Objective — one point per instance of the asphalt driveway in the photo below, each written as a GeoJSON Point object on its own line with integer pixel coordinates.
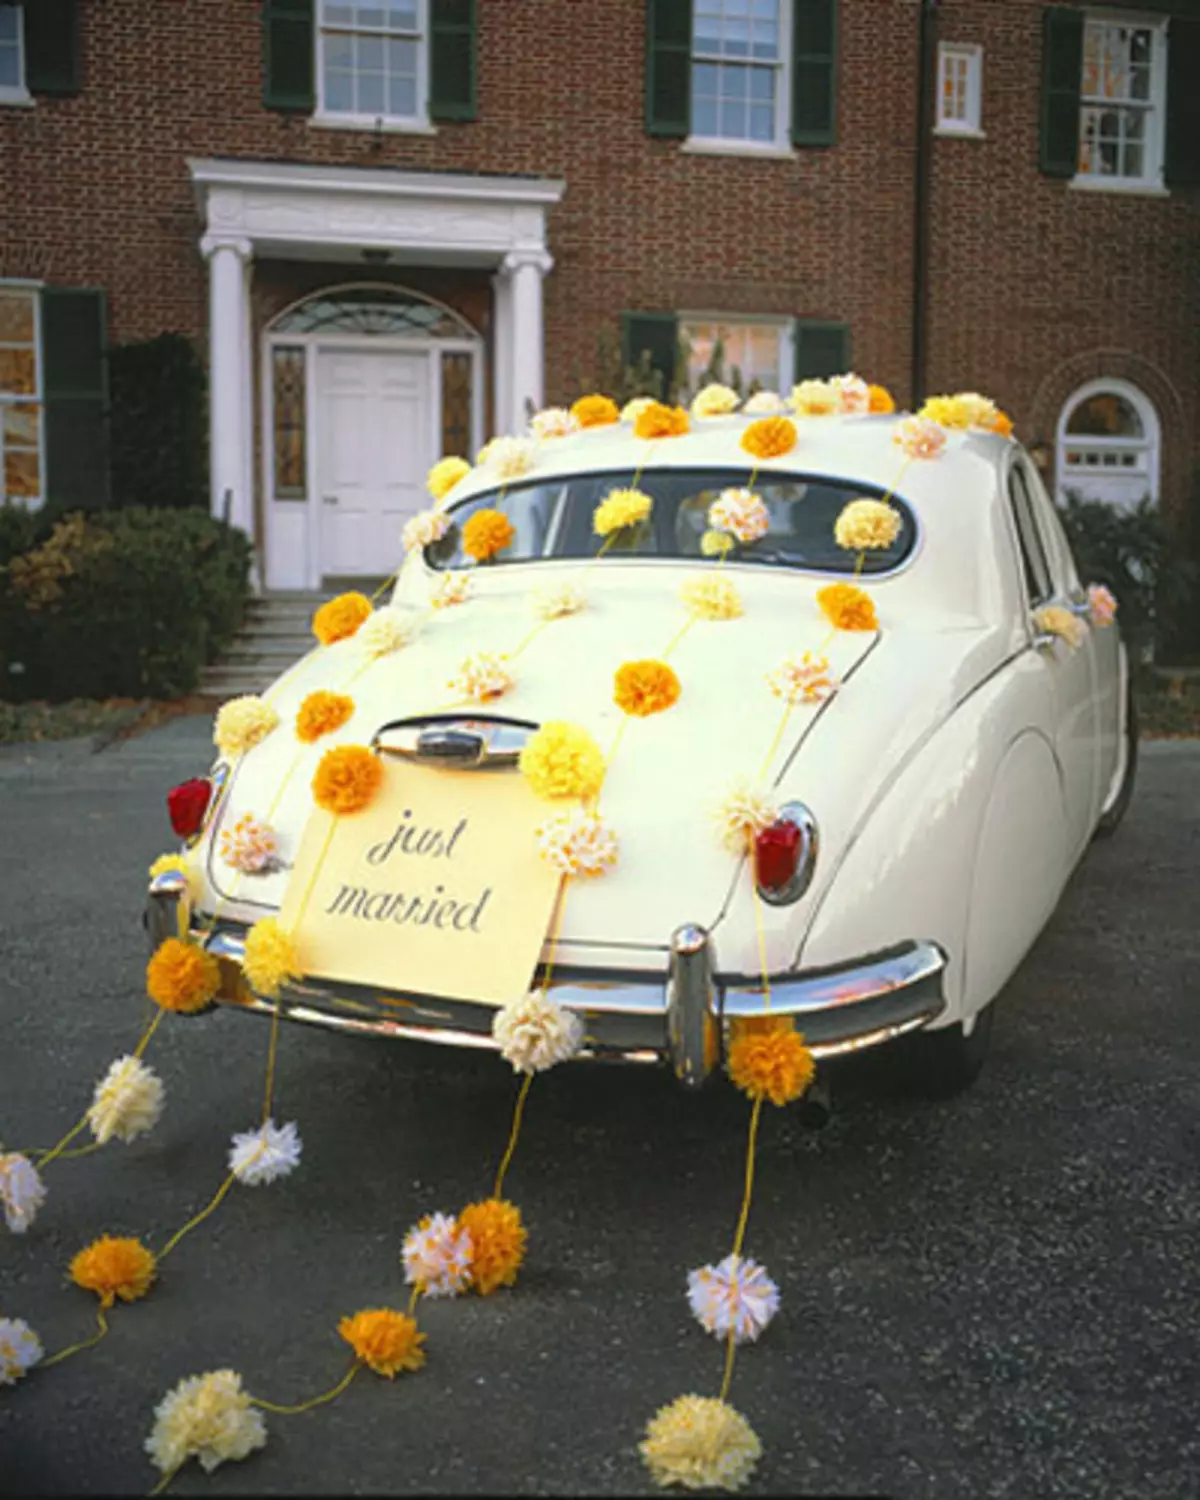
{"type": "Point", "coordinates": [994, 1297]}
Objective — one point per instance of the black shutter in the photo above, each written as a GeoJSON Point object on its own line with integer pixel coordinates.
{"type": "Point", "coordinates": [51, 46]}
{"type": "Point", "coordinates": [288, 61]}
{"type": "Point", "coordinates": [75, 387]}
{"type": "Point", "coordinates": [453, 48]}
{"type": "Point", "coordinates": [814, 72]}
{"type": "Point", "coordinates": [656, 333]}
{"type": "Point", "coordinates": [1062, 70]}
{"type": "Point", "coordinates": [822, 349]}
{"type": "Point", "coordinates": [1183, 104]}
{"type": "Point", "coordinates": [668, 67]}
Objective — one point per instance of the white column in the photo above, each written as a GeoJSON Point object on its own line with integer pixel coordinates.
{"type": "Point", "coordinates": [502, 368]}
{"type": "Point", "coordinates": [527, 268]}
{"type": "Point", "coordinates": [230, 430]}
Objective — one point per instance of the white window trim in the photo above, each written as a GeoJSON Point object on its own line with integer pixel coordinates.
{"type": "Point", "coordinates": [972, 129]}
{"type": "Point", "coordinates": [20, 93]}
{"type": "Point", "coordinates": [384, 124]}
{"type": "Point", "coordinates": [30, 502]}
{"type": "Point", "coordinates": [781, 146]}
{"type": "Point", "coordinates": [785, 328]}
{"type": "Point", "coordinates": [1150, 443]}
{"type": "Point", "coordinates": [1152, 184]}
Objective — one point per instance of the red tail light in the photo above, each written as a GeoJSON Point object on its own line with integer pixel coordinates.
{"type": "Point", "coordinates": [186, 805]}
{"type": "Point", "coordinates": [777, 855]}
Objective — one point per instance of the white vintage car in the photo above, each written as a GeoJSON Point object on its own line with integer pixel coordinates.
{"type": "Point", "coordinates": [933, 806]}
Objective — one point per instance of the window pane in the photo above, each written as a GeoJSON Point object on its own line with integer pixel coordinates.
{"type": "Point", "coordinates": [456, 405]}
{"type": "Point", "coordinates": [402, 59]}
{"type": "Point", "coordinates": [762, 85]}
{"type": "Point", "coordinates": [370, 94]}
{"type": "Point", "coordinates": [737, 38]}
{"type": "Point", "coordinates": [704, 117]}
{"type": "Point", "coordinates": [735, 83]}
{"type": "Point", "coordinates": [8, 23]}
{"type": "Point", "coordinates": [16, 317]}
{"type": "Point", "coordinates": [368, 53]}
{"type": "Point", "coordinates": [22, 474]}
{"type": "Point", "coordinates": [339, 52]}
{"type": "Point", "coordinates": [705, 78]}
{"type": "Point", "coordinates": [20, 423]}
{"type": "Point", "coordinates": [288, 370]}
{"type": "Point", "coordinates": [402, 97]}
{"type": "Point", "coordinates": [1105, 414]}
{"type": "Point", "coordinates": [10, 67]}
{"type": "Point", "coordinates": [333, 14]}
{"type": "Point", "coordinates": [370, 15]}
{"type": "Point", "coordinates": [762, 123]}
{"type": "Point", "coordinates": [402, 15]}
{"type": "Point", "coordinates": [18, 372]}
{"type": "Point", "coordinates": [339, 92]}
{"type": "Point", "coordinates": [733, 124]}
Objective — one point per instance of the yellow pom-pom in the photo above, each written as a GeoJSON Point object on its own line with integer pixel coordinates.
{"type": "Point", "coordinates": [181, 976]}
{"type": "Point", "coordinates": [770, 437]}
{"type": "Point", "coordinates": [847, 607]}
{"type": "Point", "coordinates": [444, 475]}
{"type": "Point", "coordinates": [562, 760]}
{"type": "Point", "coordinates": [866, 524]}
{"type": "Point", "coordinates": [643, 688]}
{"type": "Point", "coordinates": [700, 1443]}
{"type": "Point", "coordinates": [497, 1243]}
{"type": "Point", "coordinates": [181, 864]}
{"type": "Point", "coordinates": [386, 1341]}
{"type": "Point", "coordinates": [322, 713]}
{"type": "Point", "coordinates": [619, 509]}
{"type": "Point", "coordinates": [486, 533]}
{"type": "Point", "coordinates": [658, 421]}
{"type": "Point", "coordinates": [716, 543]}
{"type": "Point", "coordinates": [768, 1059]}
{"type": "Point", "coordinates": [347, 779]}
{"type": "Point", "coordinates": [712, 598]}
{"type": "Point", "coordinates": [270, 961]}
{"type": "Point", "coordinates": [114, 1268]}
{"type": "Point", "coordinates": [595, 411]}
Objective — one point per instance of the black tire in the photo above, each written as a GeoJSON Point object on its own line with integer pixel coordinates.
{"type": "Point", "coordinates": [941, 1064]}
{"type": "Point", "coordinates": [1111, 820]}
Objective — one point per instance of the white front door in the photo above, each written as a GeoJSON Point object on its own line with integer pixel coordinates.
{"type": "Point", "coordinates": [374, 449]}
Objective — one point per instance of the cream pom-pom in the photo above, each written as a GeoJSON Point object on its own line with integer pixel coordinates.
{"type": "Point", "coordinates": [250, 846]}
{"type": "Point", "coordinates": [510, 457]}
{"type": "Point", "coordinates": [553, 422]}
{"type": "Point", "coordinates": [802, 679]}
{"type": "Point", "coordinates": [425, 528]}
{"type": "Point", "coordinates": [451, 589]}
{"type": "Point", "coordinates": [437, 1257]}
{"type": "Point", "coordinates": [715, 400]}
{"type": "Point", "coordinates": [242, 723]}
{"type": "Point", "coordinates": [208, 1417]}
{"type": "Point", "coordinates": [701, 1443]}
{"type": "Point", "coordinates": [711, 598]}
{"type": "Point", "coordinates": [815, 398]}
{"type": "Point", "coordinates": [387, 630]}
{"type": "Point", "coordinates": [557, 600]}
{"type": "Point", "coordinates": [578, 843]}
{"type": "Point", "coordinates": [127, 1103]}
{"type": "Point", "coordinates": [741, 513]}
{"type": "Point", "coordinates": [20, 1350]}
{"type": "Point", "coordinates": [920, 437]}
{"type": "Point", "coordinates": [866, 524]}
{"type": "Point", "coordinates": [22, 1192]}
{"type": "Point", "coordinates": [632, 410]}
{"type": "Point", "coordinates": [481, 676]}
{"type": "Point", "coordinates": [853, 393]}
{"type": "Point", "coordinates": [764, 404]}
{"type": "Point", "coordinates": [269, 960]}
{"type": "Point", "coordinates": [745, 811]}
{"type": "Point", "coordinates": [735, 1296]}
{"type": "Point", "coordinates": [535, 1033]}
{"type": "Point", "coordinates": [260, 1156]}
{"type": "Point", "coordinates": [1053, 619]}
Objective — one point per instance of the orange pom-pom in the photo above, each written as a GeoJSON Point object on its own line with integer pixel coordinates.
{"type": "Point", "coordinates": [486, 533]}
{"type": "Point", "coordinates": [347, 778]}
{"type": "Point", "coordinates": [497, 1243]}
{"type": "Point", "coordinates": [384, 1340]}
{"type": "Point", "coordinates": [181, 976]}
{"type": "Point", "coordinates": [657, 421]}
{"type": "Point", "coordinates": [114, 1268]}
{"type": "Point", "coordinates": [340, 617]}
{"type": "Point", "coordinates": [595, 411]}
{"type": "Point", "coordinates": [847, 607]}
{"type": "Point", "coordinates": [321, 713]}
{"type": "Point", "coordinates": [880, 400]}
{"type": "Point", "coordinates": [645, 687]}
{"type": "Point", "coordinates": [1003, 424]}
{"type": "Point", "coordinates": [771, 437]}
{"type": "Point", "coordinates": [768, 1059]}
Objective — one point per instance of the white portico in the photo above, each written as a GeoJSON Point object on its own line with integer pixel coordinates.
{"type": "Point", "coordinates": [357, 379]}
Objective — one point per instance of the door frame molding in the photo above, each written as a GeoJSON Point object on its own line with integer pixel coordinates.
{"type": "Point", "coordinates": [313, 344]}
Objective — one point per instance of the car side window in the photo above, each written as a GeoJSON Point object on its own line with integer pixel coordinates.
{"type": "Point", "coordinates": [1066, 574]}
{"type": "Point", "coordinates": [1036, 567]}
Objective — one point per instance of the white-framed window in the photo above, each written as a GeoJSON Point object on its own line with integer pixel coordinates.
{"type": "Point", "coordinates": [21, 445]}
{"type": "Point", "coordinates": [12, 55]}
{"type": "Point", "coordinates": [372, 61]}
{"type": "Point", "coordinates": [1108, 444]}
{"type": "Point", "coordinates": [960, 89]}
{"type": "Point", "coordinates": [1122, 100]}
{"type": "Point", "coordinates": [756, 353]}
{"type": "Point", "coordinates": [741, 72]}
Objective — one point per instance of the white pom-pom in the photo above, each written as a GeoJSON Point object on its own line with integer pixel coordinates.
{"type": "Point", "coordinates": [437, 1257]}
{"type": "Point", "coordinates": [737, 1295]}
{"type": "Point", "coordinates": [20, 1350]}
{"type": "Point", "coordinates": [535, 1033]}
{"type": "Point", "coordinates": [260, 1156]}
{"type": "Point", "coordinates": [21, 1191]}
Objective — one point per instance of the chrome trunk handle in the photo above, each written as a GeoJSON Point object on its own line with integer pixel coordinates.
{"type": "Point", "coordinates": [481, 742]}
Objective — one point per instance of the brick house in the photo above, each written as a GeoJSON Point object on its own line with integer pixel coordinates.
{"type": "Point", "coordinates": [393, 225]}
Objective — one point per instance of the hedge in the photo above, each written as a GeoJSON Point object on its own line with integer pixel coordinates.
{"type": "Point", "coordinates": [121, 603]}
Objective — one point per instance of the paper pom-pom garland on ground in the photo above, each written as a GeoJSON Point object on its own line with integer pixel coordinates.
{"type": "Point", "coordinates": [113, 1267]}
{"type": "Point", "coordinates": [437, 1257]}
{"type": "Point", "coordinates": [22, 1192]}
{"type": "Point", "coordinates": [127, 1103]}
{"type": "Point", "coordinates": [702, 1444]}
{"type": "Point", "coordinates": [208, 1418]}
{"type": "Point", "coordinates": [20, 1350]}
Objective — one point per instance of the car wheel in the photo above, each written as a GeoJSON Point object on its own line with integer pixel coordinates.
{"type": "Point", "coordinates": [1111, 818]}
{"type": "Point", "coordinates": [940, 1064]}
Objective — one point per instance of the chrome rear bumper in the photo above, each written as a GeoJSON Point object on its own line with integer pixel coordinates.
{"type": "Point", "coordinates": [680, 1017]}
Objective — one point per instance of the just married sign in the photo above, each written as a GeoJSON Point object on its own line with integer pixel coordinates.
{"type": "Point", "coordinates": [435, 888]}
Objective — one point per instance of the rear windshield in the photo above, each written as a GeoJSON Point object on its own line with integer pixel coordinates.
{"type": "Point", "coordinates": [553, 519]}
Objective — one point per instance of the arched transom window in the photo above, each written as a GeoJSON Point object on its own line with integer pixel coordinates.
{"type": "Point", "coordinates": [1108, 444]}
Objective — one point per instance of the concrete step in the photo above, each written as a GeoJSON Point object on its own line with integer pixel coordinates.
{"type": "Point", "coordinates": [269, 655]}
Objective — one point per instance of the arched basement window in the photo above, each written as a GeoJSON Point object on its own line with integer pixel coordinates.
{"type": "Point", "coordinates": [1108, 444]}
{"type": "Point", "coordinates": [379, 311]}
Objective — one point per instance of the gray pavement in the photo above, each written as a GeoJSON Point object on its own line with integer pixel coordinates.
{"type": "Point", "coordinates": [993, 1297]}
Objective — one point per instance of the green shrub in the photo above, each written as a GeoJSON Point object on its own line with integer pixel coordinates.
{"type": "Point", "coordinates": [20, 529]}
{"type": "Point", "coordinates": [123, 603]}
{"type": "Point", "coordinates": [158, 423]}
